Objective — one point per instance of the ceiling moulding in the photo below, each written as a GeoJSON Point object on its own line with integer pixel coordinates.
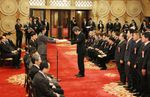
{"type": "Point", "coordinates": [64, 8]}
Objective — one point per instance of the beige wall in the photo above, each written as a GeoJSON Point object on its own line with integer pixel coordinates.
{"type": "Point", "coordinates": [146, 7]}
{"type": "Point", "coordinates": [111, 9]}
{"type": "Point", "coordinates": [10, 10]}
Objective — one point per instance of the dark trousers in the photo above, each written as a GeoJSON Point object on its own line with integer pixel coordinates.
{"type": "Point", "coordinates": [19, 41]}
{"type": "Point", "coordinates": [135, 79]}
{"type": "Point", "coordinates": [46, 33]}
{"type": "Point", "coordinates": [140, 81]}
{"type": "Point", "coordinates": [121, 70]}
{"type": "Point", "coordinates": [81, 63]}
{"type": "Point", "coordinates": [27, 38]}
{"type": "Point", "coordinates": [102, 62]}
{"type": "Point", "coordinates": [129, 74]}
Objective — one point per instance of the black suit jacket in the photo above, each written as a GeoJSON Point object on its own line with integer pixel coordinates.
{"type": "Point", "coordinates": [6, 48]}
{"type": "Point", "coordinates": [18, 30]}
{"type": "Point", "coordinates": [145, 56]}
{"type": "Point", "coordinates": [117, 27]}
{"type": "Point", "coordinates": [33, 44]}
{"type": "Point", "coordinates": [41, 86]}
{"type": "Point", "coordinates": [137, 47]}
{"type": "Point", "coordinates": [80, 43]}
{"type": "Point", "coordinates": [109, 26]}
{"type": "Point", "coordinates": [120, 51]}
{"type": "Point", "coordinates": [101, 27]}
{"type": "Point", "coordinates": [33, 71]}
{"type": "Point", "coordinates": [146, 64]}
{"type": "Point", "coordinates": [128, 56]}
{"type": "Point", "coordinates": [46, 24]}
{"type": "Point", "coordinates": [111, 52]}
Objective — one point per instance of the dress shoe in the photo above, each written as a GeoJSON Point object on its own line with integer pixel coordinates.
{"type": "Point", "coordinates": [80, 75]}
{"type": "Point", "coordinates": [103, 68]}
{"type": "Point", "coordinates": [76, 74]}
{"type": "Point", "coordinates": [130, 88]}
{"type": "Point", "coordinates": [121, 84]}
{"type": "Point", "coordinates": [137, 94]}
{"type": "Point", "coordinates": [134, 91]}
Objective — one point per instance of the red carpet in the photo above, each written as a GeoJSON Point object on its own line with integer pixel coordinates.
{"type": "Point", "coordinates": [89, 86]}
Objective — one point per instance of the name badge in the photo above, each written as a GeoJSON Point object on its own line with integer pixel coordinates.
{"type": "Point", "coordinates": [119, 49]}
{"type": "Point", "coordinates": [142, 54]}
{"type": "Point", "coordinates": [135, 50]}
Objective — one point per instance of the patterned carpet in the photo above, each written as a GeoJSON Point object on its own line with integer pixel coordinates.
{"type": "Point", "coordinates": [115, 89]}
{"type": "Point", "coordinates": [92, 85]}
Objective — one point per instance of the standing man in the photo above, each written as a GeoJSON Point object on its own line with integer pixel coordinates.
{"type": "Point", "coordinates": [19, 33]}
{"type": "Point", "coordinates": [119, 57]}
{"type": "Point", "coordinates": [109, 26]}
{"type": "Point", "coordinates": [128, 59]}
{"type": "Point", "coordinates": [80, 50]}
{"type": "Point", "coordinates": [73, 24]}
{"type": "Point", "coordinates": [46, 24]}
{"type": "Point", "coordinates": [117, 26]}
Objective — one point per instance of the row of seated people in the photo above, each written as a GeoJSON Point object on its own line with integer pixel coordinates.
{"type": "Point", "coordinates": [9, 50]}
{"type": "Point", "coordinates": [132, 57]}
{"type": "Point", "coordinates": [101, 48]}
{"type": "Point", "coordinates": [39, 83]}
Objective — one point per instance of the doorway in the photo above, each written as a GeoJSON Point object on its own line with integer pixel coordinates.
{"type": "Point", "coordinates": [59, 21]}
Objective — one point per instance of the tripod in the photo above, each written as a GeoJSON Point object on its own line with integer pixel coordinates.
{"type": "Point", "coordinates": [57, 66]}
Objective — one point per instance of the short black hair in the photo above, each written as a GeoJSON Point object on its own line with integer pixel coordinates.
{"type": "Point", "coordinates": [124, 35]}
{"type": "Point", "coordinates": [75, 29]}
{"type": "Point", "coordinates": [17, 20]}
{"type": "Point", "coordinates": [112, 39]}
{"type": "Point", "coordinates": [146, 35]}
{"type": "Point", "coordinates": [43, 65]}
{"type": "Point", "coordinates": [32, 33]}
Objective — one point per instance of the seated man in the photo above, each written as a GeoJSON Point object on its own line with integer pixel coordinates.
{"type": "Point", "coordinates": [7, 51]}
{"type": "Point", "coordinates": [8, 35]}
{"type": "Point", "coordinates": [41, 83]}
{"type": "Point", "coordinates": [107, 54]}
{"type": "Point", "coordinates": [36, 60]}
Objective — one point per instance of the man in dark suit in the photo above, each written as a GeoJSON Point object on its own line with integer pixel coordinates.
{"type": "Point", "coordinates": [80, 50]}
{"type": "Point", "coordinates": [33, 42]}
{"type": "Point", "coordinates": [8, 36]}
{"type": "Point", "coordinates": [35, 25]}
{"type": "Point", "coordinates": [7, 51]}
{"type": "Point", "coordinates": [128, 58]}
{"type": "Point", "coordinates": [146, 65]}
{"type": "Point", "coordinates": [36, 60]}
{"type": "Point", "coordinates": [109, 26]}
{"type": "Point", "coordinates": [119, 57]}
{"type": "Point", "coordinates": [137, 46]}
{"type": "Point", "coordinates": [19, 33]}
{"type": "Point", "coordinates": [73, 23]}
{"type": "Point", "coordinates": [84, 25]}
{"type": "Point", "coordinates": [125, 27]}
{"type": "Point", "coordinates": [117, 26]}
{"type": "Point", "coordinates": [42, 85]}
{"type": "Point", "coordinates": [46, 24]}
{"type": "Point", "coordinates": [101, 26]}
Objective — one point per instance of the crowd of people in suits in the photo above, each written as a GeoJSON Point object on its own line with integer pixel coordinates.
{"type": "Point", "coordinates": [129, 48]}
{"type": "Point", "coordinates": [39, 83]}
{"type": "Point", "coordinates": [35, 24]}
{"type": "Point", "coordinates": [37, 66]}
